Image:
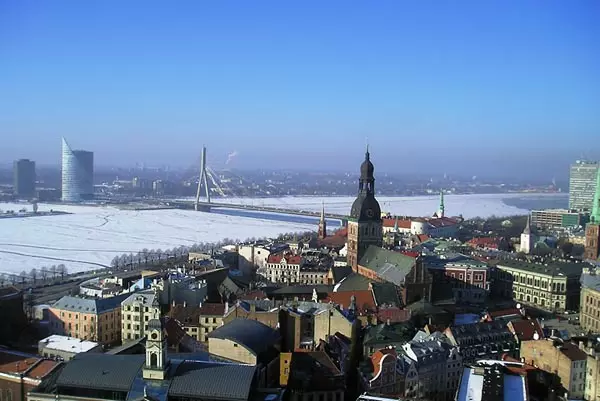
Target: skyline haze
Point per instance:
(481, 88)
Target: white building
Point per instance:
(252, 257)
(65, 348)
(136, 311)
(527, 238)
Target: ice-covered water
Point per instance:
(92, 236)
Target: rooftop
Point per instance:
(89, 305)
(14, 362)
(145, 298)
(68, 344)
(389, 265)
(556, 268)
(251, 334)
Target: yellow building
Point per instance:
(199, 320)
(589, 307)
(554, 286)
(137, 310)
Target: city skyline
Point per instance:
(434, 87)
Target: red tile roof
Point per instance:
(442, 222)
(42, 369)
(290, 259)
(525, 329)
(393, 314)
(403, 222)
(212, 309)
(486, 242)
(505, 312)
(253, 295)
(412, 254)
(13, 362)
(364, 299)
(423, 237)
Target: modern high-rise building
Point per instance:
(77, 174)
(24, 178)
(582, 185)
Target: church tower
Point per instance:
(157, 364)
(592, 230)
(440, 212)
(527, 238)
(322, 224)
(364, 224)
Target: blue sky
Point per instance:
(437, 85)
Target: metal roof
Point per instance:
(389, 265)
(219, 381)
(101, 371)
(251, 334)
(89, 305)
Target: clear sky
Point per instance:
(442, 86)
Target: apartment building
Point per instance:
(564, 358)
(589, 305)
(554, 286)
(88, 318)
(199, 320)
(136, 311)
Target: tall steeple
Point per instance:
(440, 212)
(527, 229)
(322, 224)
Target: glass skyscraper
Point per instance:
(24, 178)
(582, 185)
(77, 174)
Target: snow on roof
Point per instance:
(68, 344)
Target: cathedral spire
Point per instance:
(440, 212)
(527, 229)
(322, 223)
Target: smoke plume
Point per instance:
(231, 156)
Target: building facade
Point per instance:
(77, 174)
(553, 287)
(468, 278)
(589, 308)
(553, 218)
(24, 178)
(485, 340)
(137, 310)
(88, 319)
(592, 232)
(283, 268)
(566, 359)
(21, 373)
(582, 184)
(365, 224)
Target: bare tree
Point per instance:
(53, 272)
(145, 254)
(3, 278)
(44, 273)
(33, 274)
(159, 254)
(114, 263)
(62, 270)
(23, 276)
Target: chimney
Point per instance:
(184, 304)
(582, 345)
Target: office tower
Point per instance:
(77, 174)
(592, 230)
(582, 185)
(24, 178)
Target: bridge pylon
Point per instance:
(203, 178)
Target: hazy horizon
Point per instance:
(487, 88)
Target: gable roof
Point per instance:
(339, 273)
(364, 299)
(289, 259)
(352, 282)
(385, 294)
(388, 265)
(378, 358)
(251, 334)
(525, 329)
(314, 370)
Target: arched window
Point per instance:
(153, 360)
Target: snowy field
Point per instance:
(91, 236)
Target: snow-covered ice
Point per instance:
(92, 236)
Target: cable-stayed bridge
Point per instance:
(208, 183)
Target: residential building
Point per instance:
(199, 320)
(485, 340)
(384, 335)
(553, 286)
(555, 218)
(65, 348)
(582, 185)
(77, 174)
(21, 373)
(592, 377)
(264, 311)
(136, 311)
(283, 268)
(565, 359)
(88, 318)
(150, 377)
(180, 287)
(489, 243)
(589, 307)
(253, 257)
(311, 376)
(379, 374)
(468, 278)
(407, 273)
(526, 329)
(24, 178)
(364, 224)
(430, 367)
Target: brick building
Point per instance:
(21, 373)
